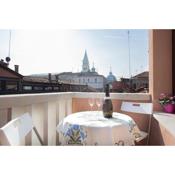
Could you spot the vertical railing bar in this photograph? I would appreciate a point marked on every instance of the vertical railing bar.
(45, 120)
(9, 114)
(38, 136)
(57, 121)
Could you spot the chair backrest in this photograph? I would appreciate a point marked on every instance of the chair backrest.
(14, 131)
(142, 108)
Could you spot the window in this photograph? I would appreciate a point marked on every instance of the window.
(95, 80)
(27, 88)
(48, 88)
(134, 86)
(56, 88)
(11, 85)
(38, 88)
(3, 85)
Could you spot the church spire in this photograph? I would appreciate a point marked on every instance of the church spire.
(85, 65)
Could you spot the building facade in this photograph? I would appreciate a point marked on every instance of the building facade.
(140, 81)
(87, 76)
(11, 82)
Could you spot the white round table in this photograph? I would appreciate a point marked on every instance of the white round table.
(91, 128)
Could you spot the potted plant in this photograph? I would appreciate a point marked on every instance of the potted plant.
(167, 102)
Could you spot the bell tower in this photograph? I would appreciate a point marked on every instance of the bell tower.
(85, 65)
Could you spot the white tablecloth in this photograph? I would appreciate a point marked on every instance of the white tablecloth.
(91, 128)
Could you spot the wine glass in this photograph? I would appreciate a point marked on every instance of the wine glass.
(98, 103)
(91, 102)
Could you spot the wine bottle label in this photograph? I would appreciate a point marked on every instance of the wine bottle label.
(107, 98)
(108, 114)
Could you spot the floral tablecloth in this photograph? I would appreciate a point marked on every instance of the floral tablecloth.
(91, 128)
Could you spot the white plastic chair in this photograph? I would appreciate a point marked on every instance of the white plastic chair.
(16, 130)
(141, 108)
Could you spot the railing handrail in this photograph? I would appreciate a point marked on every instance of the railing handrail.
(118, 96)
(28, 99)
(7, 101)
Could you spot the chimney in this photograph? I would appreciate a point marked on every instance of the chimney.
(3, 63)
(17, 68)
(50, 77)
(56, 77)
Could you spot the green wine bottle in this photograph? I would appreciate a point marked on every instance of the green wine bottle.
(107, 104)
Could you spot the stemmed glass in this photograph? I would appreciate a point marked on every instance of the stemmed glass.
(91, 102)
(98, 103)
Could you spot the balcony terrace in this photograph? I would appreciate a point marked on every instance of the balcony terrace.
(48, 109)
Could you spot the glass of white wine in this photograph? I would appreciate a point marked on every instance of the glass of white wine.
(98, 103)
(91, 102)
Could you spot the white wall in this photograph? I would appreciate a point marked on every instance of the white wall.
(83, 80)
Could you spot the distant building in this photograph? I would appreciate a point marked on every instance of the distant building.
(87, 76)
(120, 86)
(11, 82)
(140, 81)
(126, 81)
(110, 79)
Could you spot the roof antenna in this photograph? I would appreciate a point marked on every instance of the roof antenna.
(8, 57)
(10, 34)
(129, 54)
(129, 57)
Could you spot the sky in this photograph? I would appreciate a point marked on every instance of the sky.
(55, 51)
